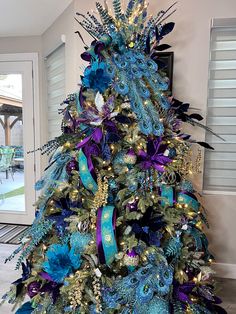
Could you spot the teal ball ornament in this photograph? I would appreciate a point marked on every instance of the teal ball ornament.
(155, 306)
(158, 305)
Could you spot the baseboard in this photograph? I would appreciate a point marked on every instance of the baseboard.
(225, 270)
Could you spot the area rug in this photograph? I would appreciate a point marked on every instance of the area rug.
(10, 234)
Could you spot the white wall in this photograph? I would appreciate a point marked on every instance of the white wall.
(190, 41)
(27, 44)
(51, 39)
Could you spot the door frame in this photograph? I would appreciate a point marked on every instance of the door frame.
(34, 59)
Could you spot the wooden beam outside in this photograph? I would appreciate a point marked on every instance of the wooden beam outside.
(10, 101)
(7, 130)
(14, 121)
(2, 123)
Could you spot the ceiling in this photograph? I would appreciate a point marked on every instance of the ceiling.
(29, 17)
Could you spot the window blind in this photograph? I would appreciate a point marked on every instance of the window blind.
(220, 165)
(55, 68)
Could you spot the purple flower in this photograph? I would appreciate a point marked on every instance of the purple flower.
(33, 288)
(154, 157)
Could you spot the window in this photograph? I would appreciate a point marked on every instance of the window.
(220, 165)
(55, 68)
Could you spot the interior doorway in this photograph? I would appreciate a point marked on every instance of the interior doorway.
(17, 137)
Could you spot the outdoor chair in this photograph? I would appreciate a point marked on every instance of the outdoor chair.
(6, 155)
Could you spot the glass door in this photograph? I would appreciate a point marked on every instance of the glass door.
(17, 171)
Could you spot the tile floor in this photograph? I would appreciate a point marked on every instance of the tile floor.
(7, 275)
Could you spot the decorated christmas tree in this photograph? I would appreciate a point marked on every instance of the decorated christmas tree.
(118, 226)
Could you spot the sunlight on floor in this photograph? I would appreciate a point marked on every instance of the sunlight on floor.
(12, 192)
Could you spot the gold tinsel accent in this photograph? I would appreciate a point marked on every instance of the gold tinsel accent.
(100, 199)
(197, 166)
(97, 294)
(101, 195)
(75, 294)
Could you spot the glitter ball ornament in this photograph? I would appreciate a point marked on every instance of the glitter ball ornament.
(131, 258)
(187, 186)
(172, 152)
(158, 305)
(125, 158)
(132, 206)
(74, 193)
(130, 158)
(112, 184)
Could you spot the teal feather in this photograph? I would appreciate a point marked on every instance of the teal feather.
(157, 126)
(178, 309)
(198, 309)
(105, 16)
(117, 9)
(36, 233)
(173, 247)
(130, 8)
(195, 233)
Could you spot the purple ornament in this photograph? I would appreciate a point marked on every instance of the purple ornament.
(72, 165)
(131, 258)
(33, 288)
(132, 206)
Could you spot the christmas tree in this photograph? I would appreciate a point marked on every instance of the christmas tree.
(118, 226)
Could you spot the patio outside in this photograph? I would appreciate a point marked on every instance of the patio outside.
(11, 144)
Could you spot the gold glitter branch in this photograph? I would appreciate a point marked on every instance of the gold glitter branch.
(101, 195)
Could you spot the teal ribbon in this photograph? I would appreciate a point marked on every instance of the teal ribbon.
(78, 105)
(85, 175)
(168, 195)
(188, 200)
(109, 244)
(79, 108)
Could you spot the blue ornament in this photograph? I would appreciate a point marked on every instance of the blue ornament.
(158, 306)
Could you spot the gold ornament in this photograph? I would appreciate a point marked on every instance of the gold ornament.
(74, 193)
(67, 145)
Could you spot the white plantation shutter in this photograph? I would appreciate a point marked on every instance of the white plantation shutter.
(220, 165)
(55, 64)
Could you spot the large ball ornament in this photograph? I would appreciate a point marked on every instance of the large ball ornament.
(129, 157)
(131, 258)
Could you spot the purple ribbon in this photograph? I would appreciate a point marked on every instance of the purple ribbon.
(91, 149)
(182, 291)
(106, 252)
(154, 157)
(101, 254)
